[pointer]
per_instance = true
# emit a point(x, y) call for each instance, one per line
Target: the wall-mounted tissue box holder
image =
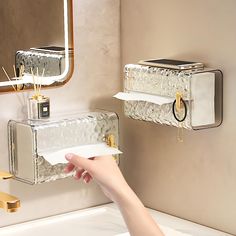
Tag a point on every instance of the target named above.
point(33, 143)
point(150, 95)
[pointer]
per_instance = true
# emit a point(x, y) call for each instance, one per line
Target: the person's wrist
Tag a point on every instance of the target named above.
point(122, 194)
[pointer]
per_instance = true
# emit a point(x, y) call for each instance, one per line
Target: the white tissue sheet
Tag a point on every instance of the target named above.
point(86, 151)
point(137, 96)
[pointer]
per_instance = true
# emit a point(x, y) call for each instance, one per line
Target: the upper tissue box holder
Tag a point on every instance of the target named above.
point(52, 59)
point(29, 141)
point(150, 94)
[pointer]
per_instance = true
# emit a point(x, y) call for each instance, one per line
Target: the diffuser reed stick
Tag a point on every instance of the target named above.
point(41, 80)
point(14, 69)
point(5, 72)
point(32, 73)
point(37, 81)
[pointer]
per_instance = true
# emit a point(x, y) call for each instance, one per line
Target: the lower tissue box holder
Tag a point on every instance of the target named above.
point(28, 139)
point(150, 94)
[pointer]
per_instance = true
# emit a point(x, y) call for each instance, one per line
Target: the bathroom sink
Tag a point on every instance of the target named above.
point(104, 220)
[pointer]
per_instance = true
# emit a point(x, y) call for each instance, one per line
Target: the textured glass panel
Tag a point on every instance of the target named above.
point(89, 128)
point(159, 81)
point(147, 111)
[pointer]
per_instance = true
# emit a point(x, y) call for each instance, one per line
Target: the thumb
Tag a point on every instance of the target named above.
point(78, 161)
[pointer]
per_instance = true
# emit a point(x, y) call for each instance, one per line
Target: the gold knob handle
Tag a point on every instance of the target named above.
point(178, 101)
point(110, 140)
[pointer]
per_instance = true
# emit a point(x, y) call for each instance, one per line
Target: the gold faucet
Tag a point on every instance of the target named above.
point(8, 202)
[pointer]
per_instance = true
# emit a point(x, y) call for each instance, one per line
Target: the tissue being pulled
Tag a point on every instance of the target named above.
point(137, 96)
point(86, 151)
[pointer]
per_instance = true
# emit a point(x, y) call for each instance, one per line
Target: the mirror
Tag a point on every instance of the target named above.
point(36, 43)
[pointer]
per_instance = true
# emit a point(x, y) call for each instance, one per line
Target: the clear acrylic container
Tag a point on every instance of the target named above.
point(201, 90)
point(28, 138)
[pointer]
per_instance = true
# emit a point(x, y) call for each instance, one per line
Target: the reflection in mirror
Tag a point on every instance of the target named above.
point(36, 44)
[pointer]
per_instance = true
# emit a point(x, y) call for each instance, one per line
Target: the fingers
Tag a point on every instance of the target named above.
point(69, 167)
point(79, 161)
point(81, 165)
point(79, 173)
point(87, 177)
point(83, 174)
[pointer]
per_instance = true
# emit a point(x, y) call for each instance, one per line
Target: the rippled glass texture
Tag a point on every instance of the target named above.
point(156, 81)
point(28, 138)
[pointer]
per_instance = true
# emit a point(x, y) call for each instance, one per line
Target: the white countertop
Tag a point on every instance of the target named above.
point(104, 220)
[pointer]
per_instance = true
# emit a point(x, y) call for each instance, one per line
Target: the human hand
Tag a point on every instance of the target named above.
point(104, 170)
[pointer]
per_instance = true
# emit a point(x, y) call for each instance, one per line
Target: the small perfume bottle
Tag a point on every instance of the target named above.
point(38, 107)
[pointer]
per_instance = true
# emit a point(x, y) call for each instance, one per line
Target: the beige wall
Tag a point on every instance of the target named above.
point(195, 180)
point(96, 78)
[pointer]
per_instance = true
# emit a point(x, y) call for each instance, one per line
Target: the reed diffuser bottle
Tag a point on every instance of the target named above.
point(38, 104)
point(39, 107)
